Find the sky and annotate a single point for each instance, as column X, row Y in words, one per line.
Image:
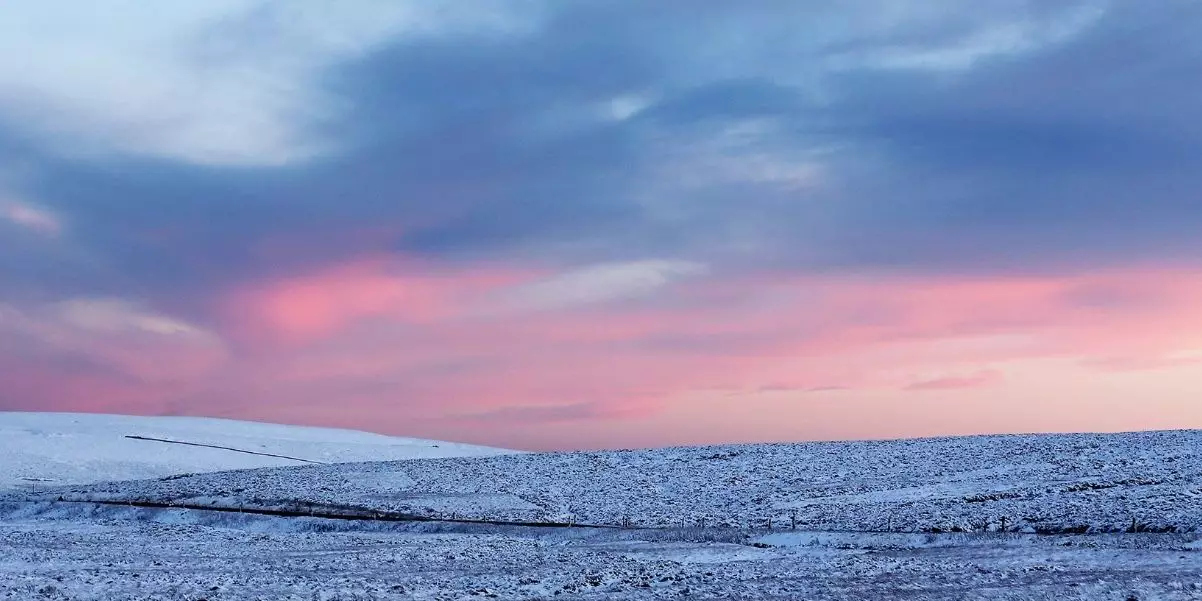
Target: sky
column 564, row 224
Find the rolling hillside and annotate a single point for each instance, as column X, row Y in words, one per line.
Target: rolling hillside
column 1034, row 483
column 41, row 450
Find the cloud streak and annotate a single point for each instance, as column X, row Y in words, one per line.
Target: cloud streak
column 30, row 217
column 604, row 283
column 977, row 380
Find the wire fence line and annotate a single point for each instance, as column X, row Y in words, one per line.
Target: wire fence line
column 223, row 448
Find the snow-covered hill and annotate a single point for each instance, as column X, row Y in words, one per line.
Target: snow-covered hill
column 39, row 450
column 1095, row 482
column 95, row 542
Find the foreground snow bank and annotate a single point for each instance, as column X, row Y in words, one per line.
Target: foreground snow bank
column 166, row 558
column 40, row 450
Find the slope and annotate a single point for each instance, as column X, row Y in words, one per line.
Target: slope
column 39, row 450
column 1035, row 483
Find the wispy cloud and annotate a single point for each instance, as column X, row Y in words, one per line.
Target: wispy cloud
column 597, row 284
column 977, row 380
column 990, row 40
column 31, row 217
column 114, row 336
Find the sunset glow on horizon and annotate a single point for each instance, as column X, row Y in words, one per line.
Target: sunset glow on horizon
column 546, row 225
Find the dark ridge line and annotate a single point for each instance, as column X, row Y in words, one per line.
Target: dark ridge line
column 213, row 446
column 364, row 515
column 325, row 514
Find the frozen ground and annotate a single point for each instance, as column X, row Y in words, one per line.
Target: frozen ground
column 1038, row 483
column 872, row 522
column 166, row 555
column 39, row 450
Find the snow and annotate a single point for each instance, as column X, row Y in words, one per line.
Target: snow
column 873, row 521
column 273, row 558
column 1037, row 483
column 39, row 450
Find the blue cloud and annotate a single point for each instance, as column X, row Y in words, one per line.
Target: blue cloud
column 770, row 134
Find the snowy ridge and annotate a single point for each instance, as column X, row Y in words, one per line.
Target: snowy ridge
column 1037, row 483
column 40, row 450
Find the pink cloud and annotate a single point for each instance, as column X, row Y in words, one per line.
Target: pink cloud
column 65, row 383
column 115, row 335
column 558, row 359
column 977, row 380
column 313, row 306
column 408, row 348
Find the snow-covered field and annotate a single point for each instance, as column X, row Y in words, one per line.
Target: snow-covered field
column 38, row 450
column 174, row 558
column 1095, row 482
column 916, row 519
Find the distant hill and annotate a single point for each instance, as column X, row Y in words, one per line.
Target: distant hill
column 50, row 449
